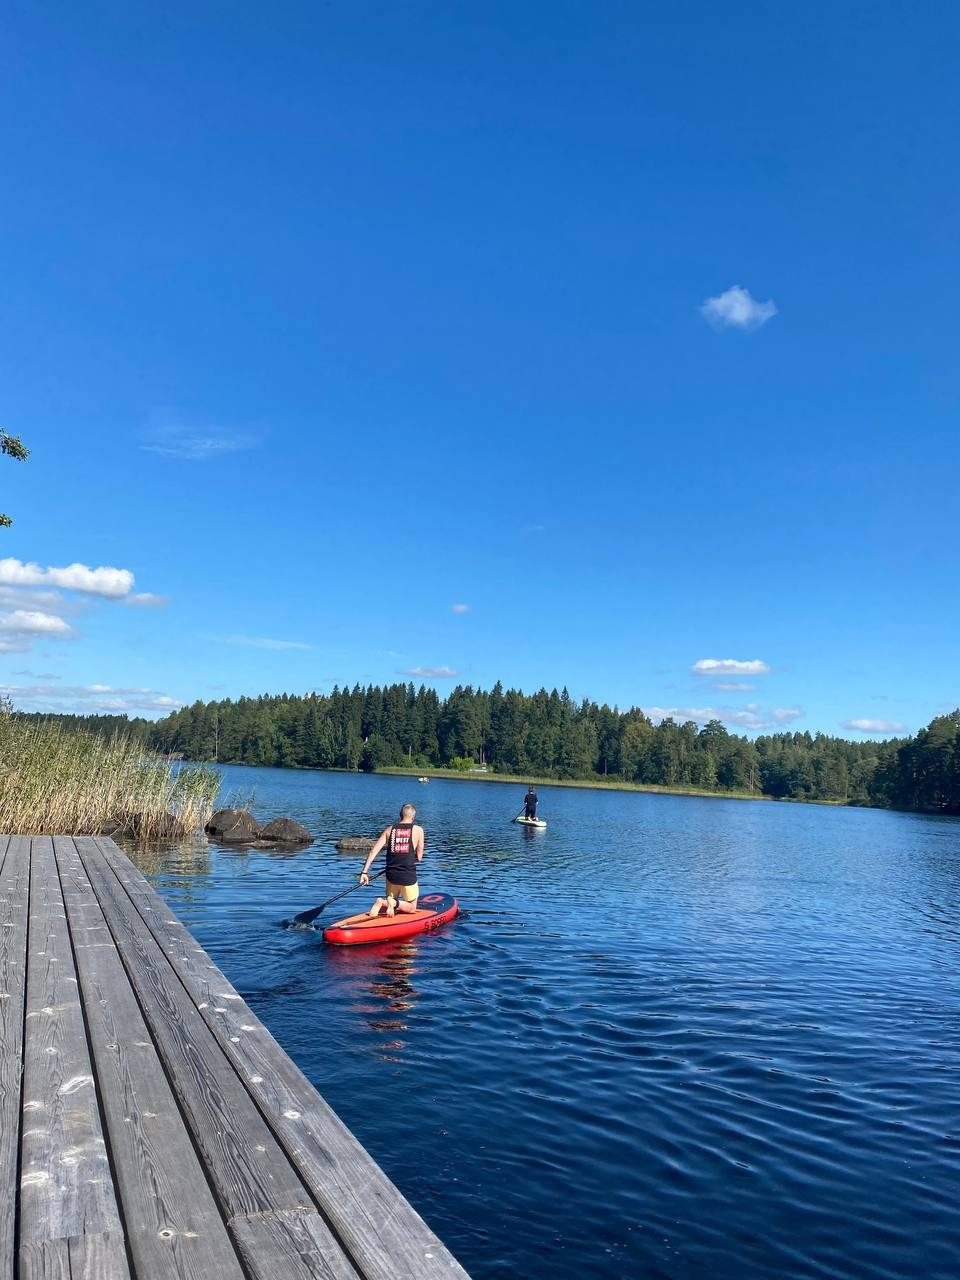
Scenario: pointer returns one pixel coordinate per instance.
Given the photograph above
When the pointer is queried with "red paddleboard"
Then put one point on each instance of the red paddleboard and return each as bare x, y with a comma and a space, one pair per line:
433, 911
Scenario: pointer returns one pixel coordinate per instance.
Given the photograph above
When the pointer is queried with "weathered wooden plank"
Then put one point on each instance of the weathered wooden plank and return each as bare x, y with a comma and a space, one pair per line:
385, 1236
174, 1228
14, 894
289, 1243
100, 1256
241, 1156
66, 1188
248, 1168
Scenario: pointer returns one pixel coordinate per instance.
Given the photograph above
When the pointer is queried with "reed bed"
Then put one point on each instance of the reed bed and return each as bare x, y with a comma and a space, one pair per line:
56, 781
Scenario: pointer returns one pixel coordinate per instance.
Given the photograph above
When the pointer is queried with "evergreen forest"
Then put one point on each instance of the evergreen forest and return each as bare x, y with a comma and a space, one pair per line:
548, 735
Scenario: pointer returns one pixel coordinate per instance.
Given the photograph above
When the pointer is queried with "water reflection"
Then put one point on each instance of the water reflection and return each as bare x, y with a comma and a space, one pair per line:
384, 973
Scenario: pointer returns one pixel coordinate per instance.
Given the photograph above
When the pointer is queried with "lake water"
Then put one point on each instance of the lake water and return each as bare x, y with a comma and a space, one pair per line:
669, 1036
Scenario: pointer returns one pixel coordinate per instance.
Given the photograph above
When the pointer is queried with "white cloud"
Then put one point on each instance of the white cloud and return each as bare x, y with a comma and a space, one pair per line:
866, 725
103, 581
432, 673
264, 642
785, 715
750, 717
27, 598
730, 667
88, 698
28, 622
31, 603
195, 444
736, 309
20, 628
459, 608
145, 600
733, 686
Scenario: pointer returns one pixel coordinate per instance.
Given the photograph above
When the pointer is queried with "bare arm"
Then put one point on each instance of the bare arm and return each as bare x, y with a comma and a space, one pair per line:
379, 843
418, 839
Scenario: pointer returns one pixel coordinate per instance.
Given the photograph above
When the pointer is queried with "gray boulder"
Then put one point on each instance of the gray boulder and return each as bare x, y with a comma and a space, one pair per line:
354, 844
286, 831
233, 826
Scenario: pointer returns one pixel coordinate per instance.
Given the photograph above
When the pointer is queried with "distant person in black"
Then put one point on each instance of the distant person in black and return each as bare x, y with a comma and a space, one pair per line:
530, 803
404, 845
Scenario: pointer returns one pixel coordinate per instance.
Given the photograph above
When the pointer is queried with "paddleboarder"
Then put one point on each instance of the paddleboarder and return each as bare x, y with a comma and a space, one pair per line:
530, 802
404, 845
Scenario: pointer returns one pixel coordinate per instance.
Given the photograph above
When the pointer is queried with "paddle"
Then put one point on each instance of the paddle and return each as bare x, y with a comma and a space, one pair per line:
306, 918
520, 815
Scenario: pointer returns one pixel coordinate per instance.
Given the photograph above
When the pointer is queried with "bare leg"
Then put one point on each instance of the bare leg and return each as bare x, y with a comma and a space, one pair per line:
391, 906
375, 909
406, 907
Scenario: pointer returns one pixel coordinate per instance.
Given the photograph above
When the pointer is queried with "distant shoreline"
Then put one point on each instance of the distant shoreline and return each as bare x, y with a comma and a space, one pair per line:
601, 784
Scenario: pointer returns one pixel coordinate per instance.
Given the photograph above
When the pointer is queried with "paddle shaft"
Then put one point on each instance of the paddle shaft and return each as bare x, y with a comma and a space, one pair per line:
308, 917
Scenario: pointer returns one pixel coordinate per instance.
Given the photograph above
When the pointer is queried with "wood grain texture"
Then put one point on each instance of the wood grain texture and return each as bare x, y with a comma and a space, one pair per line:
100, 1256
384, 1235
289, 1244
174, 1229
66, 1187
14, 890
246, 1165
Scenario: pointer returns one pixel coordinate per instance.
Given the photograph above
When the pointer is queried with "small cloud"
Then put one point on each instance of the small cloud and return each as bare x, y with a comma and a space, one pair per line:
32, 598
867, 725
431, 673
752, 716
28, 622
145, 600
195, 444
264, 642
785, 715
103, 581
730, 667
25, 584
733, 686
459, 608
88, 698
736, 309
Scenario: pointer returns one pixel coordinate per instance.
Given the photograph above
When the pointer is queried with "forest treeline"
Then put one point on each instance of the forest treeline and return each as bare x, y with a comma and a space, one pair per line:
548, 735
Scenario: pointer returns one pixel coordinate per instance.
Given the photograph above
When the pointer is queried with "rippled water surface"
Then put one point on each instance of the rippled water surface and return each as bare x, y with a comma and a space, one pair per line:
668, 1037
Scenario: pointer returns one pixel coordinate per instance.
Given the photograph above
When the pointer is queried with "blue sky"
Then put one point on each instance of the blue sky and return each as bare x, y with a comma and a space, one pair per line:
323, 320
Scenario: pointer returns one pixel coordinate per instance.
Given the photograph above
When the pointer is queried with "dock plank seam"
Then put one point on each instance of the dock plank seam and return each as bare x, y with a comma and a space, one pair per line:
66, 1185
380, 1230
15, 882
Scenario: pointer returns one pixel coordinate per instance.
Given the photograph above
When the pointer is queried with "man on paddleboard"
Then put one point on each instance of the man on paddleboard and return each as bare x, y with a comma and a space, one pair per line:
530, 802
404, 844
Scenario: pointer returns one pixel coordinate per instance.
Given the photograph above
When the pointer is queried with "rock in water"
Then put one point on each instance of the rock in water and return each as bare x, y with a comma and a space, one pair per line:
354, 844
287, 830
233, 826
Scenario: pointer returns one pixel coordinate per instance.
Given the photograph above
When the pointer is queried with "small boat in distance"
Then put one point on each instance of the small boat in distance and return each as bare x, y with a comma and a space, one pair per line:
423, 779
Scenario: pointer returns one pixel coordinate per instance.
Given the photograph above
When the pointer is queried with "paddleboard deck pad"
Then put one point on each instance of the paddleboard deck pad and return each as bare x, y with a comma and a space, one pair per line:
530, 822
433, 911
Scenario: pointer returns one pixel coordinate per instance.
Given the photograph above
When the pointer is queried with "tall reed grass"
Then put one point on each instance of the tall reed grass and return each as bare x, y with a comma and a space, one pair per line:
56, 781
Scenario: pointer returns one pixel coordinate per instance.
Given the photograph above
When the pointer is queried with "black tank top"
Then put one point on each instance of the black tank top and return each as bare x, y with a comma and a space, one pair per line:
401, 859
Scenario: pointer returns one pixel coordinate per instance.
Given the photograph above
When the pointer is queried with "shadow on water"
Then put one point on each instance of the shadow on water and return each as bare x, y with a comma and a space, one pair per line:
668, 1036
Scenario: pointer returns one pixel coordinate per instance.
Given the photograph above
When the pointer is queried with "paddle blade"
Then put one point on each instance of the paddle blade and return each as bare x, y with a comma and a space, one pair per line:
297, 924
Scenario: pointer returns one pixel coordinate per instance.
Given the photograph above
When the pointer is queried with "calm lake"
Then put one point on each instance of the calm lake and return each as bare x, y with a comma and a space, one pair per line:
669, 1037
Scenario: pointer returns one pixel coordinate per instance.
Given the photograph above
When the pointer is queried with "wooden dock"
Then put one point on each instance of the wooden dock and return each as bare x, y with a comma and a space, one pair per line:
150, 1125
